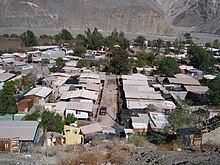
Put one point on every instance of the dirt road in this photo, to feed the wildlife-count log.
(109, 99)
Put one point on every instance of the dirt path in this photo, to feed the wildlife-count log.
(109, 99)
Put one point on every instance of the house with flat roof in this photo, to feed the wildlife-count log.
(140, 124)
(73, 135)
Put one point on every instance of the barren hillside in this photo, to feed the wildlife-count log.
(140, 16)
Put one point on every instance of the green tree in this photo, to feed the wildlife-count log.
(5, 35)
(145, 58)
(52, 122)
(32, 117)
(182, 118)
(69, 119)
(214, 95)
(94, 39)
(13, 35)
(159, 44)
(7, 99)
(60, 63)
(120, 64)
(29, 38)
(64, 35)
(200, 58)
(79, 49)
(168, 66)
(116, 38)
(83, 63)
(140, 41)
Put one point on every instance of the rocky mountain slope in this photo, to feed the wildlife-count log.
(126, 15)
(145, 16)
(204, 15)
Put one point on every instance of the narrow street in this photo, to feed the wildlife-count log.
(109, 99)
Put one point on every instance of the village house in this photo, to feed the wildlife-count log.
(140, 124)
(4, 77)
(90, 131)
(25, 105)
(191, 137)
(39, 95)
(80, 109)
(19, 134)
(7, 58)
(80, 94)
(73, 135)
(176, 83)
(53, 54)
(158, 121)
(197, 94)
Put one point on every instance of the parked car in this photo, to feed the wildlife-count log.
(103, 110)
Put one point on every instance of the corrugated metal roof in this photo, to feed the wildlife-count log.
(136, 88)
(39, 91)
(94, 81)
(92, 128)
(6, 76)
(158, 120)
(142, 104)
(80, 106)
(184, 80)
(143, 95)
(89, 76)
(141, 121)
(137, 77)
(80, 94)
(25, 130)
(197, 89)
(179, 96)
(93, 87)
(135, 82)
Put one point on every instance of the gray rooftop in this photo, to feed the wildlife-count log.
(24, 130)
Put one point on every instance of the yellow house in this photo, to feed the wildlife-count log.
(73, 135)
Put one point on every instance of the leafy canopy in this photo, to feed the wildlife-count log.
(168, 66)
(116, 38)
(120, 64)
(64, 35)
(200, 58)
(29, 38)
(7, 99)
(69, 119)
(140, 40)
(83, 63)
(52, 122)
(145, 58)
(214, 87)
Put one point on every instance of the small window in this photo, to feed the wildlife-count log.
(67, 130)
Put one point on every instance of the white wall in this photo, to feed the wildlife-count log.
(82, 115)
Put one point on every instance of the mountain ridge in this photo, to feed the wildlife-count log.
(156, 17)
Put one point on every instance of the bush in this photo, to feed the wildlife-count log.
(137, 140)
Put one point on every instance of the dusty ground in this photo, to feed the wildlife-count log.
(109, 99)
(212, 137)
(110, 152)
